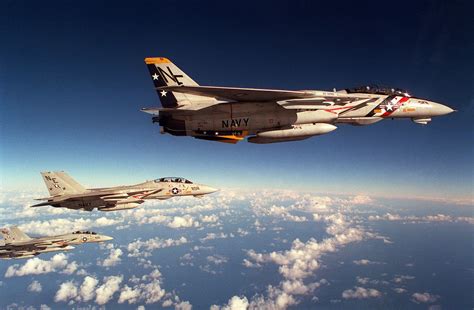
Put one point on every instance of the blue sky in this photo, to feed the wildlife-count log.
(72, 82)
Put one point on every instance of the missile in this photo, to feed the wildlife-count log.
(298, 131)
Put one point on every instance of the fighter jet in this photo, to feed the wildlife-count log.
(17, 244)
(230, 114)
(67, 193)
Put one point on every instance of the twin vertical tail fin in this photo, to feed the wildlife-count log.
(14, 234)
(60, 183)
(165, 73)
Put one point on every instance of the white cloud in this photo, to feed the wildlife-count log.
(217, 259)
(365, 262)
(402, 278)
(212, 236)
(249, 264)
(421, 219)
(62, 226)
(241, 232)
(67, 290)
(302, 259)
(361, 293)
(143, 248)
(235, 303)
(361, 200)
(183, 305)
(87, 289)
(209, 218)
(105, 292)
(183, 222)
(35, 287)
(424, 298)
(149, 292)
(57, 263)
(113, 259)
(399, 290)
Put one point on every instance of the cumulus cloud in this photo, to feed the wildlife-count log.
(361, 200)
(35, 287)
(87, 289)
(210, 218)
(183, 222)
(67, 290)
(424, 298)
(361, 293)
(57, 263)
(149, 291)
(113, 259)
(217, 259)
(105, 292)
(402, 278)
(302, 259)
(143, 248)
(399, 290)
(235, 303)
(62, 226)
(212, 236)
(183, 305)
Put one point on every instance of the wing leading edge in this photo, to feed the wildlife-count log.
(239, 94)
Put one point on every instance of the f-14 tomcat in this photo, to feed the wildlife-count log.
(229, 114)
(67, 193)
(17, 244)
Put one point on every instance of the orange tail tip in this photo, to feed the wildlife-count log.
(156, 60)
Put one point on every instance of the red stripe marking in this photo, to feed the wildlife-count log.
(395, 106)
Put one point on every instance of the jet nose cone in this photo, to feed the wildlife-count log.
(210, 190)
(107, 238)
(441, 109)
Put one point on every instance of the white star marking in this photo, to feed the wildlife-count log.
(389, 107)
(163, 93)
(155, 76)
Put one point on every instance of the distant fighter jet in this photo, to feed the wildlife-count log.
(229, 114)
(17, 244)
(67, 193)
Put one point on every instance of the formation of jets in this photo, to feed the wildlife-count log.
(223, 114)
(230, 114)
(17, 244)
(65, 192)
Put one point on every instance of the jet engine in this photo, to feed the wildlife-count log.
(296, 132)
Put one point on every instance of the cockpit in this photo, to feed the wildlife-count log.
(173, 179)
(84, 232)
(379, 90)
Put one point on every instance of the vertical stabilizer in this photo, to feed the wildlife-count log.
(165, 73)
(14, 234)
(60, 183)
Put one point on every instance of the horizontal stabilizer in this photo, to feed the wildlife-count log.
(41, 204)
(239, 94)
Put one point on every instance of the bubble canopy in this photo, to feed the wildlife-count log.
(84, 232)
(173, 179)
(379, 90)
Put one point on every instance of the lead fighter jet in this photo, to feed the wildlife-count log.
(17, 244)
(67, 193)
(230, 114)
